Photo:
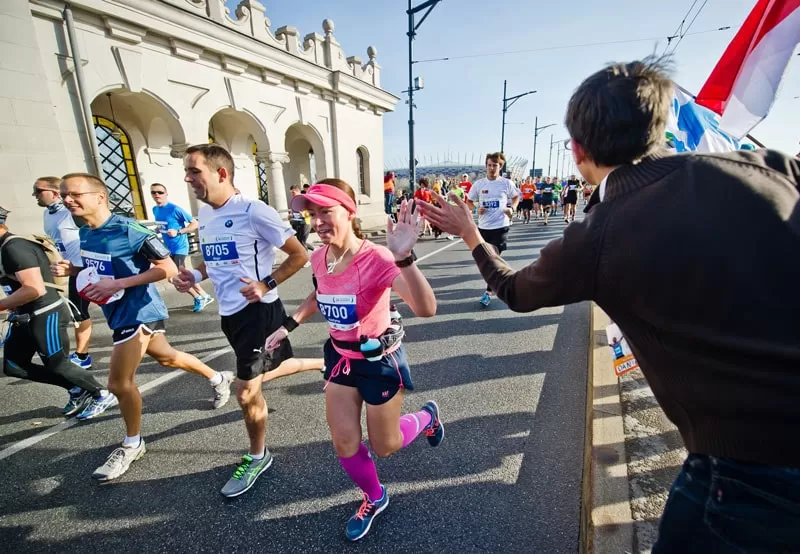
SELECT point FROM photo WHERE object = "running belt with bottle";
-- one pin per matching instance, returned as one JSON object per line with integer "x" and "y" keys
{"x": 239, "y": 240}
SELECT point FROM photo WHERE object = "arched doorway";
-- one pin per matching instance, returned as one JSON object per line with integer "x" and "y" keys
{"x": 306, "y": 156}
{"x": 119, "y": 168}
{"x": 245, "y": 138}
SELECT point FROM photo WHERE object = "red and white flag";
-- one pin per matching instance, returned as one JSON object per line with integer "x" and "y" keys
{"x": 744, "y": 83}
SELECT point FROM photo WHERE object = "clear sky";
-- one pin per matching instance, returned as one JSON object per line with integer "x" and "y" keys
{"x": 459, "y": 111}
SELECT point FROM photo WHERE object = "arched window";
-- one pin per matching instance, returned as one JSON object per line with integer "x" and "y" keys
{"x": 261, "y": 176}
{"x": 312, "y": 167}
{"x": 119, "y": 168}
{"x": 362, "y": 171}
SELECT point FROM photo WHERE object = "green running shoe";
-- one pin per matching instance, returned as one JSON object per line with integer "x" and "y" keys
{"x": 246, "y": 474}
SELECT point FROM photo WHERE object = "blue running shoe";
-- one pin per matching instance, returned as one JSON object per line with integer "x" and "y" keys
{"x": 359, "y": 524}
{"x": 485, "y": 299}
{"x": 435, "y": 430}
{"x": 98, "y": 406}
{"x": 85, "y": 364}
{"x": 200, "y": 302}
{"x": 78, "y": 400}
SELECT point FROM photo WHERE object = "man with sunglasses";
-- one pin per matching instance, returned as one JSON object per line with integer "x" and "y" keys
{"x": 128, "y": 259}
{"x": 176, "y": 224}
{"x": 38, "y": 321}
{"x": 62, "y": 228}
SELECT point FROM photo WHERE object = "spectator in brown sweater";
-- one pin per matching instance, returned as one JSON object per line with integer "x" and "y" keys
{"x": 707, "y": 301}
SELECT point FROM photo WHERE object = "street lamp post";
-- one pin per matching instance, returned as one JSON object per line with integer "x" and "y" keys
{"x": 550, "y": 157}
{"x": 507, "y": 103}
{"x": 412, "y": 86}
{"x": 536, "y": 130}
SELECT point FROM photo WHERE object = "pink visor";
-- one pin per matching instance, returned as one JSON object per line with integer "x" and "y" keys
{"x": 323, "y": 195}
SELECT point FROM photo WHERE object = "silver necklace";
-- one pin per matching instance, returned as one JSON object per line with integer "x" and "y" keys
{"x": 332, "y": 265}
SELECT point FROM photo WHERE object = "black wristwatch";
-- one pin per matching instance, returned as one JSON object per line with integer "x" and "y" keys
{"x": 405, "y": 262}
{"x": 271, "y": 283}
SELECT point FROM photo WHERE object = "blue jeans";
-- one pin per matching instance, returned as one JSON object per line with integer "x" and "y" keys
{"x": 388, "y": 200}
{"x": 721, "y": 506}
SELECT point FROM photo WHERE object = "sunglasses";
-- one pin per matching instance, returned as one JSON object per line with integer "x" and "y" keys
{"x": 78, "y": 194}
{"x": 157, "y": 192}
{"x": 39, "y": 191}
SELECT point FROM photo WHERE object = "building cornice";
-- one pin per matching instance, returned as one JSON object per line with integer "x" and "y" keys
{"x": 193, "y": 27}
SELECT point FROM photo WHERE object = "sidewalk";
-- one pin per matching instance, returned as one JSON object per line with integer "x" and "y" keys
{"x": 636, "y": 455}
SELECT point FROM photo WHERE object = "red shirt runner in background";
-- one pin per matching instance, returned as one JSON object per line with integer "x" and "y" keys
{"x": 423, "y": 194}
{"x": 465, "y": 186}
{"x": 527, "y": 190}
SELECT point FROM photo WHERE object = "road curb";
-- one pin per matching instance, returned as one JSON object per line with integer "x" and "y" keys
{"x": 606, "y": 520}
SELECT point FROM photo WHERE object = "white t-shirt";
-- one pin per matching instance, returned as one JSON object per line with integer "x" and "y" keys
{"x": 61, "y": 228}
{"x": 495, "y": 196}
{"x": 239, "y": 240}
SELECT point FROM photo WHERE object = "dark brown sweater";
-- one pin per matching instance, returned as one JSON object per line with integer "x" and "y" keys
{"x": 697, "y": 258}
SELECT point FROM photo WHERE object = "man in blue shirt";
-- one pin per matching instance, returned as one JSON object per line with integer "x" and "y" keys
{"x": 175, "y": 225}
{"x": 129, "y": 259}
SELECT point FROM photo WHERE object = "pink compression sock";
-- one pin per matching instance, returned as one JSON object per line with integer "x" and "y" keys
{"x": 412, "y": 425}
{"x": 362, "y": 471}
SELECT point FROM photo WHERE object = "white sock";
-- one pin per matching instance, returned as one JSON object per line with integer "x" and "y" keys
{"x": 131, "y": 442}
{"x": 216, "y": 379}
{"x": 259, "y": 456}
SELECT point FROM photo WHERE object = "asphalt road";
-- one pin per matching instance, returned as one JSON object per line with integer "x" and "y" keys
{"x": 507, "y": 478}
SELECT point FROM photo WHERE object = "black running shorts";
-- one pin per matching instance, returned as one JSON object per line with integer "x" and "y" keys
{"x": 79, "y": 306}
{"x": 124, "y": 334}
{"x": 247, "y": 330}
{"x": 496, "y": 237}
{"x": 377, "y": 382}
{"x": 572, "y": 197}
{"x": 526, "y": 204}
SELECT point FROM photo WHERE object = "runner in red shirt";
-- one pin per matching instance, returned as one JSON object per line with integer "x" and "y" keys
{"x": 465, "y": 184}
{"x": 423, "y": 193}
{"x": 528, "y": 190}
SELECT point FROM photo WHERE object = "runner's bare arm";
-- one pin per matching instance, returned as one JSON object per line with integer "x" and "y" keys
{"x": 298, "y": 256}
{"x": 307, "y": 308}
{"x": 31, "y": 288}
{"x": 64, "y": 268}
{"x": 414, "y": 289}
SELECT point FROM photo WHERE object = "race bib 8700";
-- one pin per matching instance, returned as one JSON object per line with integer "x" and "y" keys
{"x": 220, "y": 251}
{"x": 101, "y": 263}
{"x": 339, "y": 310}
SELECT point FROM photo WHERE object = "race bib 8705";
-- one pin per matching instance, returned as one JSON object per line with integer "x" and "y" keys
{"x": 339, "y": 310}
{"x": 220, "y": 251}
{"x": 101, "y": 263}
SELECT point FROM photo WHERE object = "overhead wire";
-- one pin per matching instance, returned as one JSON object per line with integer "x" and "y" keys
{"x": 563, "y": 47}
{"x": 686, "y": 31}
{"x": 676, "y": 33}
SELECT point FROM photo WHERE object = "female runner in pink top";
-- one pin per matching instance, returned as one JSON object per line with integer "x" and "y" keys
{"x": 364, "y": 358}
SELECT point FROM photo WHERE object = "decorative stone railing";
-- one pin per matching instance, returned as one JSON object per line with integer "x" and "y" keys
{"x": 250, "y": 19}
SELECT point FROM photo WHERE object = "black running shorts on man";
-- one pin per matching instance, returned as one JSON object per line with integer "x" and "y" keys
{"x": 496, "y": 237}
{"x": 247, "y": 330}
{"x": 124, "y": 334}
